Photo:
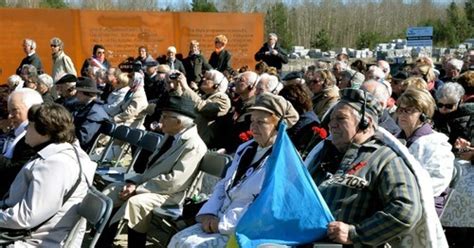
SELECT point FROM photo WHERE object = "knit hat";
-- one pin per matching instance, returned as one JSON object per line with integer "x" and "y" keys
{"x": 278, "y": 106}
{"x": 358, "y": 98}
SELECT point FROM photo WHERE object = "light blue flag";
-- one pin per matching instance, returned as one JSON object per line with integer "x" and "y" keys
{"x": 289, "y": 210}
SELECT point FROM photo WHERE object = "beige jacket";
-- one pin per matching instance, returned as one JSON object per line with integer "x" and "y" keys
{"x": 62, "y": 64}
{"x": 324, "y": 100}
{"x": 209, "y": 109}
{"x": 131, "y": 112}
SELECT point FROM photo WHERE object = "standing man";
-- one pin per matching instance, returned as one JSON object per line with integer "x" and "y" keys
{"x": 172, "y": 61}
{"x": 97, "y": 60}
{"x": 272, "y": 54}
{"x": 32, "y": 58}
{"x": 16, "y": 152}
{"x": 62, "y": 64}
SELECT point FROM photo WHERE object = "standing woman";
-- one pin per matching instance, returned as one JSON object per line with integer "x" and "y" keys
{"x": 220, "y": 58}
{"x": 195, "y": 64}
{"x": 38, "y": 196}
{"x": 220, "y": 215}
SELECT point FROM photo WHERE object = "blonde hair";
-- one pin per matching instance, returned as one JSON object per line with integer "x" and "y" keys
{"x": 414, "y": 82}
{"x": 421, "y": 99}
{"x": 123, "y": 80}
{"x": 221, "y": 38}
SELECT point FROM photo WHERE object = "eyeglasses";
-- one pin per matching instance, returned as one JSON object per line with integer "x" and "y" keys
{"x": 100, "y": 52}
{"x": 54, "y": 45}
{"x": 448, "y": 106}
{"x": 408, "y": 110}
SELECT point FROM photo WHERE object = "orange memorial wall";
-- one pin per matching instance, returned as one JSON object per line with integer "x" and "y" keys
{"x": 122, "y": 32}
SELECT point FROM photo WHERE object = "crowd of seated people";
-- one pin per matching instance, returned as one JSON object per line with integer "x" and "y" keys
{"x": 397, "y": 131}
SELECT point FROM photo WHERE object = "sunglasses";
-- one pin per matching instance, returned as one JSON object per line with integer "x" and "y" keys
{"x": 448, "y": 106}
{"x": 54, "y": 45}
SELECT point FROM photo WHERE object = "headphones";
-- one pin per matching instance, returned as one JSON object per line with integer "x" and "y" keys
{"x": 423, "y": 117}
{"x": 215, "y": 86}
{"x": 274, "y": 91}
{"x": 250, "y": 87}
{"x": 364, "y": 123}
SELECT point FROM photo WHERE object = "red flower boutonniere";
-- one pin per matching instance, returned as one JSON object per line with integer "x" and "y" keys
{"x": 356, "y": 167}
{"x": 245, "y": 136}
{"x": 321, "y": 132}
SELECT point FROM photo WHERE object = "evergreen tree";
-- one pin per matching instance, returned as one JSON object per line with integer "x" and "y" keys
{"x": 322, "y": 40}
{"x": 56, "y": 4}
{"x": 276, "y": 21}
{"x": 203, "y": 6}
{"x": 458, "y": 24}
{"x": 368, "y": 40}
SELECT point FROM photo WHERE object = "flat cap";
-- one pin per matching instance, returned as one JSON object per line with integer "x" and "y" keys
{"x": 278, "y": 106}
{"x": 180, "y": 105}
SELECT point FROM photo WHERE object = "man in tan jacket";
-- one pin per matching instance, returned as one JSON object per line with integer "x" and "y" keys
{"x": 168, "y": 174}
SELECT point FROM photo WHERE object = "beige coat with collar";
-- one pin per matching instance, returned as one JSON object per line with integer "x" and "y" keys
{"x": 163, "y": 183}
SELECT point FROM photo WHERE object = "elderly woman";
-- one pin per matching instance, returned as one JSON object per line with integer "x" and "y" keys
{"x": 213, "y": 105}
{"x": 268, "y": 83}
{"x": 48, "y": 189}
{"x": 430, "y": 148}
{"x": 119, "y": 90}
{"x": 220, "y": 215}
{"x": 131, "y": 111}
{"x": 351, "y": 79}
{"x": 220, "y": 58}
{"x": 452, "y": 117}
{"x": 322, "y": 84}
{"x": 301, "y": 134}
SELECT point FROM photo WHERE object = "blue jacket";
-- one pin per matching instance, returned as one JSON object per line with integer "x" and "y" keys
{"x": 88, "y": 120}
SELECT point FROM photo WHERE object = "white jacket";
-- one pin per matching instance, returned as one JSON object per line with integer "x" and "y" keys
{"x": 433, "y": 152}
{"x": 228, "y": 203}
{"x": 37, "y": 193}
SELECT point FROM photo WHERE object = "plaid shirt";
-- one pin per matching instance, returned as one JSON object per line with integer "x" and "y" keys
{"x": 371, "y": 189}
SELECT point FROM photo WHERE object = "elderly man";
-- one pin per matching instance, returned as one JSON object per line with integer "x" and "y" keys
{"x": 45, "y": 83}
{"x": 369, "y": 187}
{"x": 66, "y": 89}
{"x": 172, "y": 61}
{"x": 170, "y": 171}
{"x": 382, "y": 96}
{"x": 90, "y": 113}
{"x": 385, "y": 66}
{"x": 62, "y": 64}
{"x": 453, "y": 70}
{"x": 271, "y": 53}
{"x": 268, "y": 83}
{"x": 239, "y": 116}
{"x": 32, "y": 58}
{"x": 16, "y": 152}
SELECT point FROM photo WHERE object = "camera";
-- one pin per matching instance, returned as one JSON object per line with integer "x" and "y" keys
{"x": 174, "y": 76}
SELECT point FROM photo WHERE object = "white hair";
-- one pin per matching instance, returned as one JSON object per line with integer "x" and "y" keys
{"x": 379, "y": 90}
{"x": 15, "y": 82}
{"x": 29, "y": 97}
{"x": 252, "y": 77}
{"x": 376, "y": 73}
{"x": 385, "y": 66}
{"x": 451, "y": 91}
{"x": 186, "y": 121}
{"x": 219, "y": 79}
{"x": 274, "y": 85}
{"x": 171, "y": 49}
{"x": 46, "y": 80}
{"x": 273, "y": 35}
{"x": 456, "y": 63}
{"x": 30, "y": 43}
